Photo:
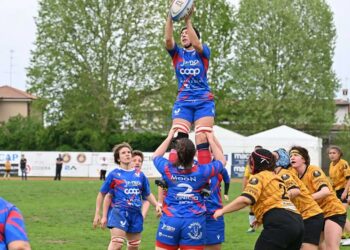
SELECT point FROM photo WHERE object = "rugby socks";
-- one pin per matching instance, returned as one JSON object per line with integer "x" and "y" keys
{"x": 204, "y": 155}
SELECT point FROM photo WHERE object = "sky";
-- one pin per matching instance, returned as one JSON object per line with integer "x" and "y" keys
{"x": 18, "y": 31}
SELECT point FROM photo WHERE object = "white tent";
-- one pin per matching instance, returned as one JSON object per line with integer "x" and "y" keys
{"x": 235, "y": 149}
{"x": 286, "y": 137}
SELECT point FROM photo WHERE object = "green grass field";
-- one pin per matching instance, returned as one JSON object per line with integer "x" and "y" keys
{"x": 58, "y": 215}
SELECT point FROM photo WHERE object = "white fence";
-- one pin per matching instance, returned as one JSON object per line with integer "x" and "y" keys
{"x": 88, "y": 164}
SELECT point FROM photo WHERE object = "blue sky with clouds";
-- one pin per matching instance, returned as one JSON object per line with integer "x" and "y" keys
{"x": 17, "y": 29}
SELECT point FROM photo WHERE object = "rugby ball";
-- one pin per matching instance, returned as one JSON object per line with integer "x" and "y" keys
{"x": 180, "y": 9}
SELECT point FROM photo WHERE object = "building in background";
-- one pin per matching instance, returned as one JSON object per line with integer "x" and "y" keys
{"x": 14, "y": 102}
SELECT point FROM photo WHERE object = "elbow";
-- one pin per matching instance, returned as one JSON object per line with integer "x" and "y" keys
{"x": 169, "y": 43}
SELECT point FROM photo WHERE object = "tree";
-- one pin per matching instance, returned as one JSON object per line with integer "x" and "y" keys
{"x": 102, "y": 64}
{"x": 20, "y": 133}
{"x": 282, "y": 67}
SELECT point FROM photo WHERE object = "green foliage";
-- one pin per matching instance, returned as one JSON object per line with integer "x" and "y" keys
{"x": 342, "y": 139}
{"x": 21, "y": 133}
{"x": 147, "y": 142}
{"x": 282, "y": 67}
{"x": 101, "y": 64}
{"x": 58, "y": 215}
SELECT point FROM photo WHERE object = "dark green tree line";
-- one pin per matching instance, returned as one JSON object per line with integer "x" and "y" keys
{"x": 282, "y": 67}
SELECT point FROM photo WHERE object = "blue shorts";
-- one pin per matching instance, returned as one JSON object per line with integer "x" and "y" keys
{"x": 130, "y": 221}
{"x": 215, "y": 230}
{"x": 175, "y": 231}
{"x": 192, "y": 111}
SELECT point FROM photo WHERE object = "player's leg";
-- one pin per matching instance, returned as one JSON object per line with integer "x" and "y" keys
{"x": 117, "y": 239}
{"x": 203, "y": 125}
{"x": 333, "y": 230}
{"x": 134, "y": 240}
{"x": 204, "y": 122}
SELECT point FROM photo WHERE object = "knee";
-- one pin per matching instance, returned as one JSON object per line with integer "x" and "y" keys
{"x": 134, "y": 244}
{"x": 200, "y": 133}
{"x": 116, "y": 243}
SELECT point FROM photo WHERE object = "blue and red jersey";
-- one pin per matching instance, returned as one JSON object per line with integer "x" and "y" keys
{"x": 183, "y": 197}
{"x": 11, "y": 224}
{"x": 128, "y": 188}
{"x": 214, "y": 201}
{"x": 191, "y": 70}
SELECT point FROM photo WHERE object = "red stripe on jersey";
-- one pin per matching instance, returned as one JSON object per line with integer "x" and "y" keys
{"x": 191, "y": 247}
{"x": 165, "y": 246}
{"x": 176, "y": 59}
{"x": 205, "y": 63}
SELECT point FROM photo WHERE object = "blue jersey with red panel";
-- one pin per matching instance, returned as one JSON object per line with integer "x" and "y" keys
{"x": 214, "y": 201}
{"x": 191, "y": 70}
{"x": 128, "y": 188}
{"x": 183, "y": 198}
{"x": 11, "y": 224}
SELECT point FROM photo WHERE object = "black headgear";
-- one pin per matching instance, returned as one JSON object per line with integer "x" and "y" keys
{"x": 260, "y": 160}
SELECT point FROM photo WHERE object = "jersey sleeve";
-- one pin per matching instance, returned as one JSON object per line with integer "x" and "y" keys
{"x": 174, "y": 51}
{"x": 146, "y": 190}
{"x": 289, "y": 181}
{"x": 253, "y": 189}
{"x": 225, "y": 176}
{"x": 215, "y": 168}
{"x": 160, "y": 163}
{"x": 106, "y": 186}
{"x": 206, "y": 51}
{"x": 346, "y": 170}
{"x": 319, "y": 179}
{"x": 14, "y": 226}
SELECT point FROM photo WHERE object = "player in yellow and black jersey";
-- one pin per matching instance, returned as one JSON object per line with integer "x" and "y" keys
{"x": 339, "y": 173}
{"x": 310, "y": 211}
{"x": 246, "y": 176}
{"x": 267, "y": 193}
{"x": 321, "y": 190}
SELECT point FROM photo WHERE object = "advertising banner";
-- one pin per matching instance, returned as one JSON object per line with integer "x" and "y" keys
{"x": 14, "y": 157}
{"x": 238, "y": 163}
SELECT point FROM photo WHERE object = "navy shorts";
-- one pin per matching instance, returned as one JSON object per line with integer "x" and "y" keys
{"x": 130, "y": 221}
{"x": 191, "y": 111}
{"x": 174, "y": 232}
{"x": 215, "y": 230}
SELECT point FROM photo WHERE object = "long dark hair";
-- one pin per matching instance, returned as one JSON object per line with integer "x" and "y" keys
{"x": 185, "y": 152}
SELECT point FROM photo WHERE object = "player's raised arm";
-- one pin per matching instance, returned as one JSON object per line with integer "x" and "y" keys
{"x": 217, "y": 151}
{"x": 192, "y": 34}
{"x": 169, "y": 36}
{"x": 160, "y": 151}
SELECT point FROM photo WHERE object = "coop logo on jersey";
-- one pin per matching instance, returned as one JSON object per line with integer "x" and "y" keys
{"x": 132, "y": 191}
{"x": 195, "y": 231}
{"x": 192, "y": 71}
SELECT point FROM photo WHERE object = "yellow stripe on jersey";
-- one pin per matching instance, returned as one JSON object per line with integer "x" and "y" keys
{"x": 314, "y": 179}
{"x": 267, "y": 190}
{"x": 304, "y": 202}
{"x": 339, "y": 174}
